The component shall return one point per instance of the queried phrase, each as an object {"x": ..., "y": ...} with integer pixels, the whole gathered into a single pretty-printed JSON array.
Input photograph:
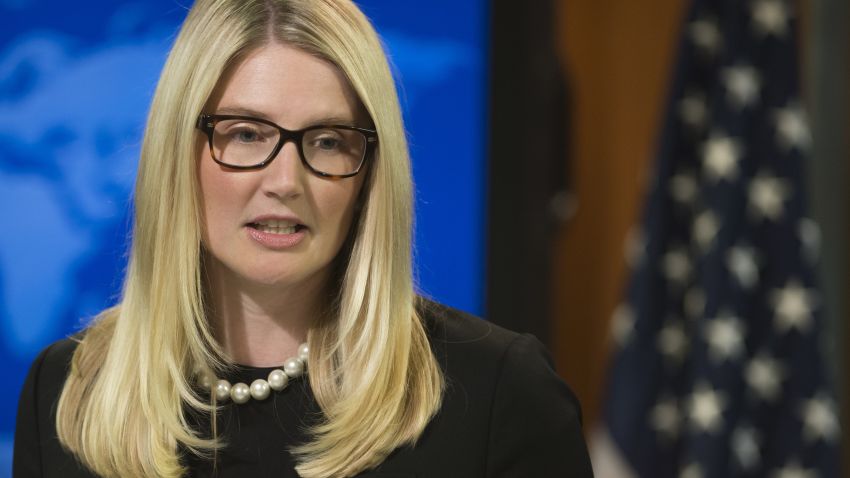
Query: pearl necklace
[{"x": 260, "y": 389}]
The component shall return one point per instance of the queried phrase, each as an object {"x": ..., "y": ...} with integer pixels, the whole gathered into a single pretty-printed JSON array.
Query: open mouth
[{"x": 276, "y": 227}]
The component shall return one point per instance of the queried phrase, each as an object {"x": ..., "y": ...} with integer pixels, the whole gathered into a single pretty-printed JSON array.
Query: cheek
[
  {"x": 338, "y": 206},
  {"x": 219, "y": 196}
]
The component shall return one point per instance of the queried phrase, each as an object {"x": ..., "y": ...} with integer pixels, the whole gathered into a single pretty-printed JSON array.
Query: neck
[{"x": 261, "y": 325}]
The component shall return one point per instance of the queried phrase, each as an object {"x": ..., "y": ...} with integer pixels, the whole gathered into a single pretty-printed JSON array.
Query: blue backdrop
[{"x": 75, "y": 82}]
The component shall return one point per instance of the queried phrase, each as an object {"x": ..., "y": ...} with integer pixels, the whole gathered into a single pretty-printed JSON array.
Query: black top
[{"x": 505, "y": 414}]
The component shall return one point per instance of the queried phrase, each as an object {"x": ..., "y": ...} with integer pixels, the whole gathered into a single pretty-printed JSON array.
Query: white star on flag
[
  {"x": 764, "y": 376},
  {"x": 742, "y": 84},
  {"x": 767, "y": 196},
  {"x": 792, "y": 128},
  {"x": 684, "y": 188},
  {"x": 770, "y": 17},
  {"x": 793, "y": 470},
  {"x": 745, "y": 447},
  {"x": 793, "y": 306},
  {"x": 819, "y": 419},
  {"x": 705, "y": 35},
  {"x": 693, "y": 110},
  {"x": 741, "y": 261},
  {"x": 705, "y": 229},
  {"x": 666, "y": 418},
  {"x": 725, "y": 337},
  {"x": 691, "y": 471},
  {"x": 720, "y": 157},
  {"x": 810, "y": 238},
  {"x": 725, "y": 304},
  {"x": 706, "y": 408},
  {"x": 676, "y": 266},
  {"x": 673, "y": 342},
  {"x": 694, "y": 302}
]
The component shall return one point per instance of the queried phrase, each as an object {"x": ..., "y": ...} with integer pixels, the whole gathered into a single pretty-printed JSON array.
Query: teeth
[
  {"x": 274, "y": 226},
  {"x": 275, "y": 229},
  {"x": 276, "y": 223}
]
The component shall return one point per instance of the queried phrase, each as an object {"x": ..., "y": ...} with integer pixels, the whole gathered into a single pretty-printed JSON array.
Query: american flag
[{"x": 717, "y": 370}]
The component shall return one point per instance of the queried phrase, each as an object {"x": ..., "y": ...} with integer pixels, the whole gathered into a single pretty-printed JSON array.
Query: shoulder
[
  {"x": 56, "y": 357},
  {"x": 471, "y": 351},
  {"x": 463, "y": 342},
  {"x": 46, "y": 377},
  {"x": 503, "y": 393},
  {"x": 468, "y": 345},
  {"x": 35, "y": 439},
  {"x": 50, "y": 368},
  {"x": 448, "y": 327}
]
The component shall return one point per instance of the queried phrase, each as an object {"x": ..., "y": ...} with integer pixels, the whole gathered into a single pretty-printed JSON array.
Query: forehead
[{"x": 286, "y": 85}]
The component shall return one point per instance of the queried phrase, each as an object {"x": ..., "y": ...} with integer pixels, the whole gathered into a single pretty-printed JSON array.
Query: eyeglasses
[{"x": 245, "y": 142}]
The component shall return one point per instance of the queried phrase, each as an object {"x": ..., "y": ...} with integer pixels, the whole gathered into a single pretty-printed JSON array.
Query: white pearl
[
  {"x": 240, "y": 393},
  {"x": 293, "y": 367},
  {"x": 260, "y": 389},
  {"x": 222, "y": 390},
  {"x": 278, "y": 380}
]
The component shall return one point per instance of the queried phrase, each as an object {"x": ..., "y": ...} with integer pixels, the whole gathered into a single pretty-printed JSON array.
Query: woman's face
[{"x": 281, "y": 225}]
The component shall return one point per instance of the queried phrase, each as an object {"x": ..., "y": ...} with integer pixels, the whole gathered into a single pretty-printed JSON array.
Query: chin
[
  {"x": 284, "y": 277},
  {"x": 249, "y": 271}
]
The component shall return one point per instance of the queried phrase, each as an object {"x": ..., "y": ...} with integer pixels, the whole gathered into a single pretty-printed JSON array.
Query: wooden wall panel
[{"x": 617, "y": 55}]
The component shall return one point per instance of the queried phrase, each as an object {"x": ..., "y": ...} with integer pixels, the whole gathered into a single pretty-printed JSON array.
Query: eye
[
  {"x": 327, "y": 143},
  {"x": 333, "y": 143},
  {"x": 326, "y": 140},
  {"x": 247, "y": 136},
  {"x": 244, "y": 132}
]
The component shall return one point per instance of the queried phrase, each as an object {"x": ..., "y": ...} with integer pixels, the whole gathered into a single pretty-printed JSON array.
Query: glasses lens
[
  {"x": 336, "y": 151},
  {"x": 240, "y": 142}
]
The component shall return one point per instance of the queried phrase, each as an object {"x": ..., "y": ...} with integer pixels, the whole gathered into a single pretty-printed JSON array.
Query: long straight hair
[{"x": 123, "y": 409}]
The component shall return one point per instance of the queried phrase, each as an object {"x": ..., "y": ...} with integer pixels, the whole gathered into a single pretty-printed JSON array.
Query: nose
[{"x": 284, "y": 176}]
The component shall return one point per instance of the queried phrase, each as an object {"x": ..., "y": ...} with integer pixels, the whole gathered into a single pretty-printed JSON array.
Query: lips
[
  {"x": 275, "y": 232},
  {"x": 276, "y": 226}
]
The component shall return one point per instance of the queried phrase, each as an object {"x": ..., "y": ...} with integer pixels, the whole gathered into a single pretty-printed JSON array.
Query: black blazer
[{"x": 505, "y": 411}]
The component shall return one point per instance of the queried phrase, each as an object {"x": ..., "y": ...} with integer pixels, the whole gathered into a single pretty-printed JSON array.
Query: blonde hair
[{"x": 123, "y": 409}]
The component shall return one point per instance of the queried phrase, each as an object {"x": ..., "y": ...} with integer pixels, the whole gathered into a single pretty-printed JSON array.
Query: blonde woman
[{"x": 268, "y": 324}]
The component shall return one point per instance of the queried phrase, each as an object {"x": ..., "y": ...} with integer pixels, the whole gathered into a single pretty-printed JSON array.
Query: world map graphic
[{"x": 73, "y": 101}]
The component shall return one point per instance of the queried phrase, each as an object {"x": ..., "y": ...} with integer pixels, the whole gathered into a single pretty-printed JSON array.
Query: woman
[{"x": 272, "y": 233}]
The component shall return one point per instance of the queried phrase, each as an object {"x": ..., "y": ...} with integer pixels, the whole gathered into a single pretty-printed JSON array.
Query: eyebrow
[
  {"x": 243, "y": 111},
  {"x": 238, "y": 110}
]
